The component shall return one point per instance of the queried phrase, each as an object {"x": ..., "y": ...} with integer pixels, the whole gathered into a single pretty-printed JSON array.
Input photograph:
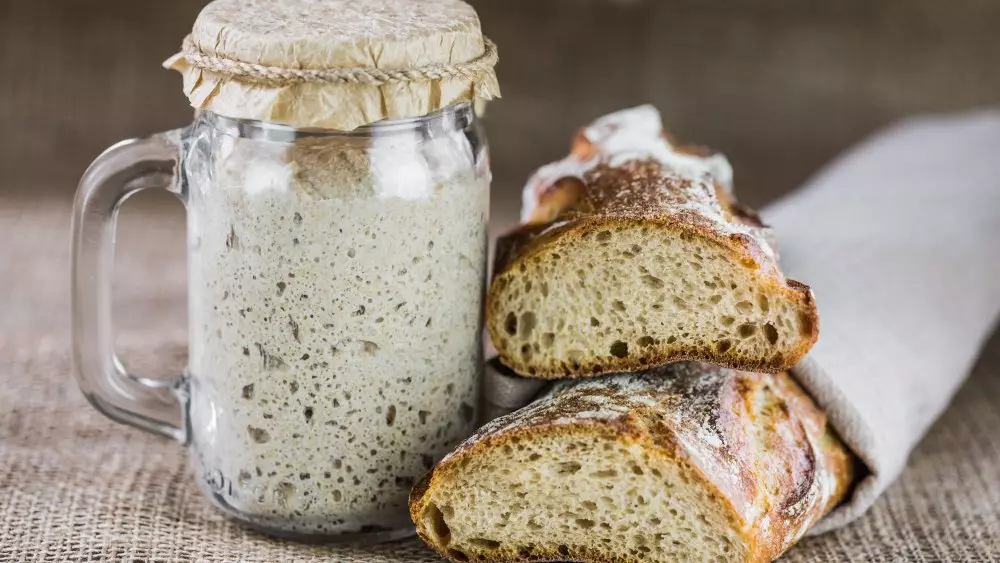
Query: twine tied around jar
[{"x": 257, "y": 73}]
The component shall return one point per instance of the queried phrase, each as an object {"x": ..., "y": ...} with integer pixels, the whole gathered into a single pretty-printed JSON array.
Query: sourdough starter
[{"x": 336, "y": 318}]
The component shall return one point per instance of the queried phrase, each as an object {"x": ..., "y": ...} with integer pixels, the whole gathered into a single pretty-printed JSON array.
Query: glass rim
[{"x": 462, "y": 113}]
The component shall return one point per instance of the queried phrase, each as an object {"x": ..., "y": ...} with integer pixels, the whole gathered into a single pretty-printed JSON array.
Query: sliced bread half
[
  {"x": 635, "y": 254},
  {"x": 686, "y": 463}
]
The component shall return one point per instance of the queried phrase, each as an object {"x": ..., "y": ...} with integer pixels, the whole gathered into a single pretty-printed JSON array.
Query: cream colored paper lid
[{"x": 336, "y": 64}]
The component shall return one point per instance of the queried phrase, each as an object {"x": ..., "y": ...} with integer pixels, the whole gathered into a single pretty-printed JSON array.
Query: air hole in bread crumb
[
  {"x": 589, "y": 505},
  {"x": 457, "y": 554},
  {"x": 652, "y": 281},
  {"x": 548, "y": 339},
  {"x": 746, "y": 330},
  {"x": 645, "y": 341},
  {"x": 534, "y": 525},
  {"x": 484, "y": 543},
  {"x": 763, "y": 304},
  {"x": 723, "y": 346},
  {"x": 594, "y": 321},
  {"x": 435, "y": 524},
  {"x": 526, "y": 352},
  {"x": 510, "y": 324},
  {"x": 603, "y": 236},
  {"x": 619, "y": 349},
  {"x": 744, "y": 307},
  {"x": 656, "y": 307},
  {"x": 563, "y": 550},
  {"x": 534, "y": 457},
  {"x": 527, "y": 286},
  {"x": 605, "y": 473},
  {"x": 545, "y": 289},
  {"x": 585, "y": 523},
  {"x": 728, "y": 321},
  {"x": 715, "y": 299},
  {"x": 671, "y": 339},
  {"x": 617, "y": 305},
  {"x": 528, "y": 323},
  {"x": 569, "y": 467},
  {"x": 771, "y": 333}
]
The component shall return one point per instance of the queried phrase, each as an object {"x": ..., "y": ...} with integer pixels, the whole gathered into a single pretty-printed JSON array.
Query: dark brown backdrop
[{"x": 779, "y": 86}]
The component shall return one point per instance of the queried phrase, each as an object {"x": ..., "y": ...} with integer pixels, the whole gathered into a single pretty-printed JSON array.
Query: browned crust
[
  {"x": 641, "y": 193},
  {"x": 626, "y": 431},
  {"x": 769, "y": 427},
  {"x": 528, "y": 244}
]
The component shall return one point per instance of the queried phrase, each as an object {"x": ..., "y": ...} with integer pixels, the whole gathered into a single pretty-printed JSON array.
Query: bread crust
[
  {"x": 603, "y": 209},
  {"x": 516, "y": 252},
  {"x": 790, "y": 469},
  {"x": 606, "y": 185}
]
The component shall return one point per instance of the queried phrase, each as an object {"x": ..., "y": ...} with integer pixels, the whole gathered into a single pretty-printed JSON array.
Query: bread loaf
[
  {"x": 684, "y": 463},
  {"x": 634, "y": 254}
]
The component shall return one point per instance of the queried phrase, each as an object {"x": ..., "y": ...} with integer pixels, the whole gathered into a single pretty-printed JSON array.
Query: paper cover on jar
[{"x": 335, "y": 64}]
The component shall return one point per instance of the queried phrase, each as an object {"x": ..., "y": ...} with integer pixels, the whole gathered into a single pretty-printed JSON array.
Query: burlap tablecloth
[{"x": 76, "y": 487}]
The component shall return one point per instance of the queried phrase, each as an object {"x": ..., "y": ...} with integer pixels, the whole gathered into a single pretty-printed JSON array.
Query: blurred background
[{"x": 779, "y": 86}]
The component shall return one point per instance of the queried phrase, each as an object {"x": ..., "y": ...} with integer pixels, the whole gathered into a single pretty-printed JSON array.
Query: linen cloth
[
  {"x": 75, "y": 486},
  {"x": 900, "y": 240}
]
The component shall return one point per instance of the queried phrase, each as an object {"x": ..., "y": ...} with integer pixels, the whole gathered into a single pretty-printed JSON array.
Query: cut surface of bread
[
  {"x": 634, "y": 255},
  {"x": 692, "y": 463}
]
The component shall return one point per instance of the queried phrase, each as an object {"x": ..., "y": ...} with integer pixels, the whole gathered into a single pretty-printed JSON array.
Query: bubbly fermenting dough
[{"x": 336, "y": 318}]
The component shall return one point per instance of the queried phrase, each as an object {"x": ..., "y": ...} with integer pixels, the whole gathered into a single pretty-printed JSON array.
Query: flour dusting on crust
[
  {"x": 625, "y": 166},
  {"x": 756, "y": 438},
  {"x": 630, "y": 134}
]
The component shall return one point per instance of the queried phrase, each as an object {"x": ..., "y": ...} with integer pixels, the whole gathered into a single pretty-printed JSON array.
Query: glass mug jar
[{"x": 335, "y": 302}]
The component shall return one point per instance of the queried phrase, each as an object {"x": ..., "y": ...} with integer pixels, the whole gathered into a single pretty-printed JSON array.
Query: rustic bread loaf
[
  {"x": 635, "y": 254},
  {"x": 684, "y": 463}
]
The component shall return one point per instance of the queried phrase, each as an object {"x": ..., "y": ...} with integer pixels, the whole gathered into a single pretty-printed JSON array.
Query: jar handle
[{"x": 128, "y": 167}]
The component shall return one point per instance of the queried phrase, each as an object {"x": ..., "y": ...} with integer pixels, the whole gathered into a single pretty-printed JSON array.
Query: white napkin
[{"x": 900, "y": 240}]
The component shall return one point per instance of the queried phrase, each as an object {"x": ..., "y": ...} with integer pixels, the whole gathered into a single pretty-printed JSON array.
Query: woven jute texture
[{"x": 77, "y": 487}]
